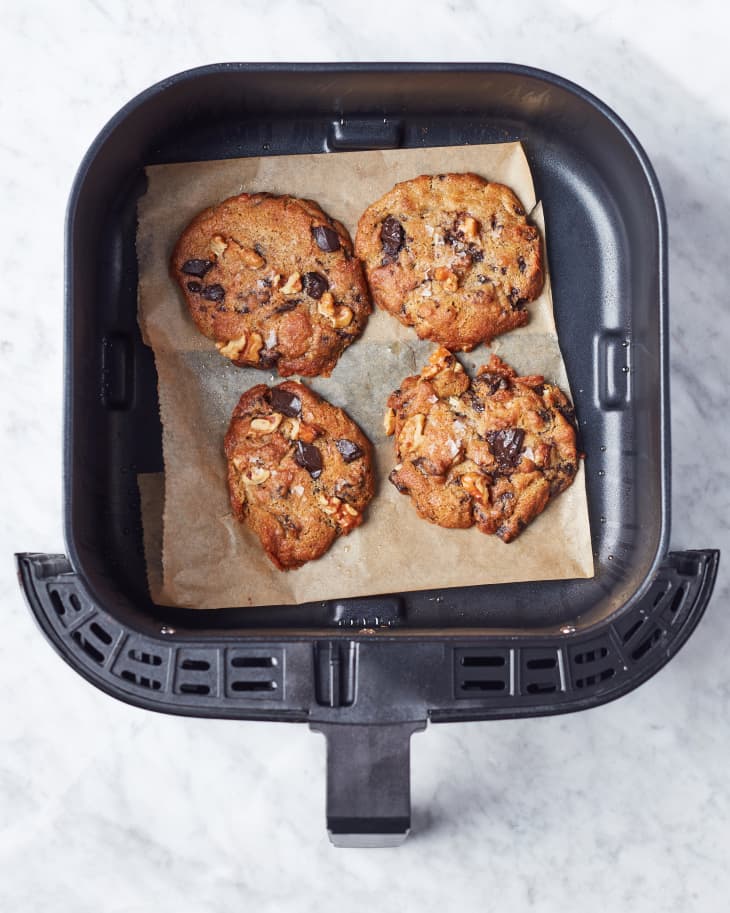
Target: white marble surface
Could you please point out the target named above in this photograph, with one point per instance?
(105, 807)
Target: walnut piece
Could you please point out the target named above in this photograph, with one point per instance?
(475, 485)
(339, 317)
(469, 226)
(233, 348)
(251, 258)
(293, 285)
(343, 513)
(412, 434)
(307, 433)
(267, 424)
(447, 278)
(254, 346)
(257, 476)
(217, 245)
(246, 346)
(389, 422)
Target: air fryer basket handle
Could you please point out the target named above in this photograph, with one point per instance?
(368, 782)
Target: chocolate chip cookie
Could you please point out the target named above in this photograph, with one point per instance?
(274, 282)
(491, 451)
(453, 256)
(299, 471)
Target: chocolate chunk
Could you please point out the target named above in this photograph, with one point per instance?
(474, 401)
(506, 446)
(213, 293)
(286, 403)
(483, 279)
(426, 467)
(392, 237)
(194, 287)
(567, 411)
(287, 306)
(267, 358)
(327, 238)
(521, 265)
(348, 449)
(308, 457)
(197, 267)
(544, 414)
(519, 211)
(315, 285)
(476, 253)
(494, 382)
(394, 480)
(288, 523)
(530, 234)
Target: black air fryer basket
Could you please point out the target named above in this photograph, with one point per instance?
(369, 672)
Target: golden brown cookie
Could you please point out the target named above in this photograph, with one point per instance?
(453, 256)
(490, 451)
(274, 282)
(299, 471)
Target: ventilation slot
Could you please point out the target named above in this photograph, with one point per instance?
(190, 688)
(591, 680)
(591, 656)
(546, 663)
(256, 674)
(195, 665)
(65, 604)
(647, 644)
(632, 629)
(541, 688)
(488, 661)
(593, 662)
(541, 671)
(198, 672)
(142, 681)
(58, 607)
(253, 686)
(659, 596)
(103, 635)
(149, 659)
(483, 685)
(88, 647)
(677, 600)
(253, 662)
(480, 675)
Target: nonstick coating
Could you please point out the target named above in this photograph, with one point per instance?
(607, 251)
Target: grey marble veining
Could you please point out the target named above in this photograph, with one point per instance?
(104, 807)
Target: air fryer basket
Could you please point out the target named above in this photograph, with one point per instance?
(369, 672)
